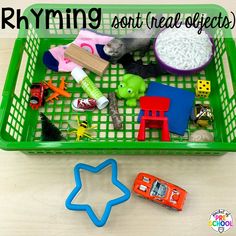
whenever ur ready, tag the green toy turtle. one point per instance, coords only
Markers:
(131, 88)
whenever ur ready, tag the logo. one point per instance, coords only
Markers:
(221, 221)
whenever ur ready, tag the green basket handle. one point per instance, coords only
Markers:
(14, 67)
(12, 74)
(10, 83)
(231, 47)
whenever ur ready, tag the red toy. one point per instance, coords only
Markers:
(159, 191)
(151, 105)
(37, 92)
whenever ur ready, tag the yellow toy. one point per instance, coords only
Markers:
(203, 88)
(82, 130)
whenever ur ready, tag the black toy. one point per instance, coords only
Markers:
(138, 68)
(49, 131)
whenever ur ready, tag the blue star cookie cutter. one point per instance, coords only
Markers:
(85, 207)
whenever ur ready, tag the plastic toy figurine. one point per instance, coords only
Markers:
(37, 94)
(82, 130)
(159, 191)
(203, 88)
(57, 91)
(49, 131)
(202, 115)
(131, 88)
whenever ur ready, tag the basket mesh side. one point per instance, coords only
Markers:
(16, 121)
(228, 101)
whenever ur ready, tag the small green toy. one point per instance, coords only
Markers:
(131, 88)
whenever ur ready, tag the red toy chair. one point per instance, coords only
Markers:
(154, 116)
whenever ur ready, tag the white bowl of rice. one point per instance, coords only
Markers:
(182, 51)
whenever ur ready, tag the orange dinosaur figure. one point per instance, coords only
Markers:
(58, 91)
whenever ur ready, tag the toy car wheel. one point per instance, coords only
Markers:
(34, 100)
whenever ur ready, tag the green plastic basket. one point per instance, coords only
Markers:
(20, 127)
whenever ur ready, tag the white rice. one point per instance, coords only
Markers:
(183, 48)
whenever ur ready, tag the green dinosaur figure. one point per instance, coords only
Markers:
(131, 88)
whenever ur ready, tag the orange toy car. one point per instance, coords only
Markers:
(160, 191)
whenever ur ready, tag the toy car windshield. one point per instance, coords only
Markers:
(158, 189)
